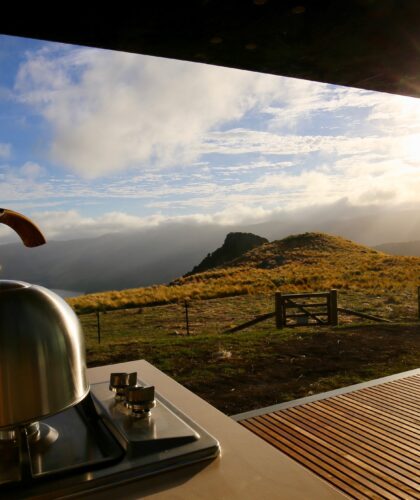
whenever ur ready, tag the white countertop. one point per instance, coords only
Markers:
(248, 468)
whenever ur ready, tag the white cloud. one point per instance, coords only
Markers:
(314, 98)
(23, 182)
(391, 114)
(396, 115)
(31, 170)
(71, 224)
(5, 150)
(244, 141)
(110, 111)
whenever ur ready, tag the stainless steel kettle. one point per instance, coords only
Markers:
(42, 356)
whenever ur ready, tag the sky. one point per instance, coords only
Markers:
(95, 141)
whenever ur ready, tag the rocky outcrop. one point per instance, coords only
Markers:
(235, 245)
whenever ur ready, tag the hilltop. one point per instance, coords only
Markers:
(300, 248)
(305, 262)
(235, 245)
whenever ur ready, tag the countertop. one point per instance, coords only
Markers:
(248, 468)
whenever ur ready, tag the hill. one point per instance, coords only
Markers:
(409, 248)
(235, 245)
(306, 262)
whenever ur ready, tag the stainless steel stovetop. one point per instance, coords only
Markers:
(119, 432)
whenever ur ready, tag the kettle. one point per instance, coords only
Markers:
(42, 356)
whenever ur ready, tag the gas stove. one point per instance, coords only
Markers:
(122, 430)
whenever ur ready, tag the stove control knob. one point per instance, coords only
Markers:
(119, 382)
(140, 400)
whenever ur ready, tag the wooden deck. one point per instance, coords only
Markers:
(366, 442)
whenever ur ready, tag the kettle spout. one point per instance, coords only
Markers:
(29, 233)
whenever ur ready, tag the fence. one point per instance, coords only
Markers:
(289, 312)
(228, 314)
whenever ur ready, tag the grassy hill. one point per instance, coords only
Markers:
(261, 365)
(305, 262)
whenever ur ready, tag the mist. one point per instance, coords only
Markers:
(152, 255)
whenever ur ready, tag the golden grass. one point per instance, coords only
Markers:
(308, 262)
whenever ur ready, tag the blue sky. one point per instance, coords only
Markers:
(95, 141)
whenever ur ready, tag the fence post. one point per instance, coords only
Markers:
(418, 301)
(98, 324)
(186, 318)
(332, 307)
(279, 310)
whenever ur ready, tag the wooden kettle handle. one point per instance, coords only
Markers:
(25, 228)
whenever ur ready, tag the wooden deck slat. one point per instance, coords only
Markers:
(345, 460)
(390, 393)
(389, 415)
(365, 442)
(394, 397)
(410, 400)
(330, 473)
(384, 416)
(412, 392)
(327, 467)
(414, 384)
(335, 479)
(397, 421)
(372, 437)
(413, 388)
(366, 454)
(382, 406)
(365, 423)
(398, 431)
(404, 465)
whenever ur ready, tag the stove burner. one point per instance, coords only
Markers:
(119, 431)
(32, 432)
(120, 382)
(9, 435)
(37, 432)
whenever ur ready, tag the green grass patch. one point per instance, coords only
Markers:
(261, 365)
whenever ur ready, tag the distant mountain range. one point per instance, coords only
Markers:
(408, 248)
(111, 262)
(162, 254)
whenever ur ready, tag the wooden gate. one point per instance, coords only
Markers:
(299, 309)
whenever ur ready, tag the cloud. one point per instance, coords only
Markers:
(390, 114)
(314, 99)
(396, 115)
(109, 111)
(23, 182)
(70, 224)
(245, 141)
(5, 150)
(31, 170)
(241, 146)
